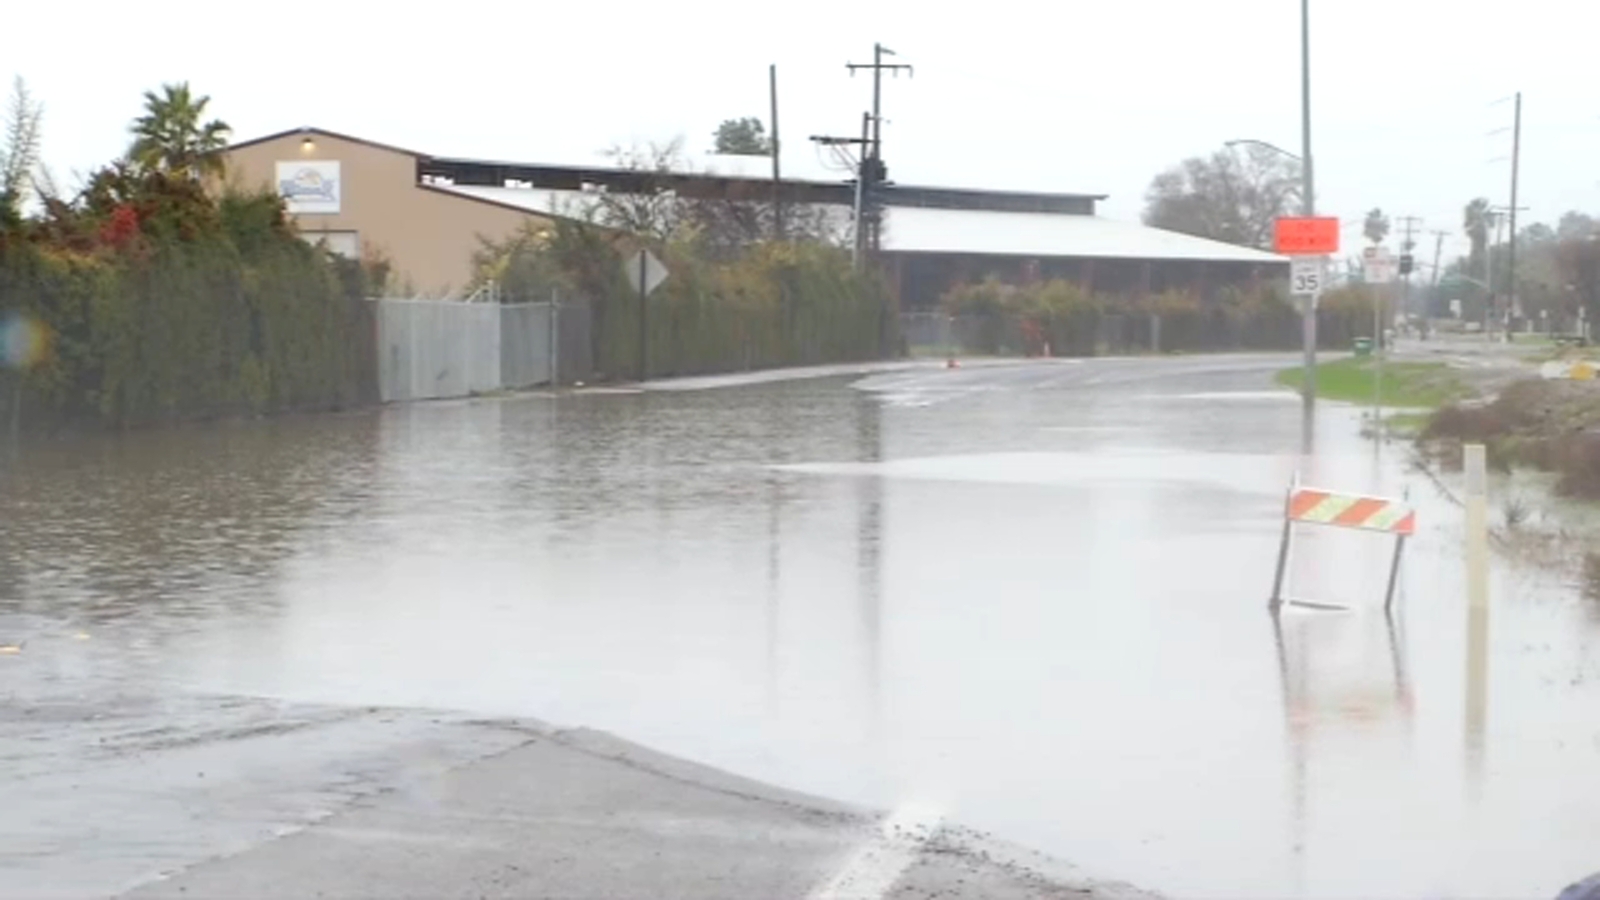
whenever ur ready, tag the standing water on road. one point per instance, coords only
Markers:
(1033, 596)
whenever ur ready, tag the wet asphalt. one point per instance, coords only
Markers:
(318, 655)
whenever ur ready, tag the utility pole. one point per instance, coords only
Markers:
(875, 171)
(1438, 250)
(1308, 191)
(861, 244)
(1433, 287)
(857, 257)
(1407, 259)
(1380, 319)
(1511, 253)
(777, 179)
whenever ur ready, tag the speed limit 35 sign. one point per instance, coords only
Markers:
(1305, 276)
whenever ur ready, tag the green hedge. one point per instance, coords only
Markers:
(1004, 318)
(773, 304)
(236, 319)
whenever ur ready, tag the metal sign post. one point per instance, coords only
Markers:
(645, 273)
(1305, 277)
(1377, 268)
(1315, 237)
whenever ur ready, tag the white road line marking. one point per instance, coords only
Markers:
(875, 868)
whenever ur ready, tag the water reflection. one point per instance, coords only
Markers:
(160, 530)
(1344, 678)
(869, 557)
(1026, 590)
(1477, 697)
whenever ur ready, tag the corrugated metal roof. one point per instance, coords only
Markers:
(535, 200)
(924, 230)
(916, 230)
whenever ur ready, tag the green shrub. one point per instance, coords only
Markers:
(1077, 323)
(166, 306)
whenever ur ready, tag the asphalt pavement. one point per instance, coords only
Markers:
(197, 796)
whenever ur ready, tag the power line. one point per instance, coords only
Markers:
(857, 250)
(1408, 223)
(1438, 248)
(873, 172)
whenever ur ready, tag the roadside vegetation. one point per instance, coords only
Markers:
(146, 297)
(1410, 385)
(1547, 425)
(998, 318)
(737, 297)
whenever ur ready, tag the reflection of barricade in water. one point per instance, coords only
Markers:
(1314, 506)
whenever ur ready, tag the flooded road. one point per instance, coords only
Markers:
(1033, 596)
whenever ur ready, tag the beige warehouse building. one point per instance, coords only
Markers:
(427, 213)
(363, 197)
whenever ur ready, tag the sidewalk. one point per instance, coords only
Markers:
(209, 796)
(799, 373)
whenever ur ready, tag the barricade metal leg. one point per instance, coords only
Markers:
(1283, 563)
(1394, 572)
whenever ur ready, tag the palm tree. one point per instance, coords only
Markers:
(1376, 227)
(171, 138)
(1475, 220)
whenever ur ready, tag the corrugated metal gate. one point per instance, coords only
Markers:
(435, 349)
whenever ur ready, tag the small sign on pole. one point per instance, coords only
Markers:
(1377, 265)
(1305, 276)
(1306, 235)
(645, 273)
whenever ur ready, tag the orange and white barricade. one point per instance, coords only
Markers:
(1316, 506)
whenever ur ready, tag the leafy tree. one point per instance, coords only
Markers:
(744, 137)
(1376, 228)
(1579, 261)
(1536, 234)
(1575, 224)
(171, 137)
(1227, 196)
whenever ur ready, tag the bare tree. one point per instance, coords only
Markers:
(1231, 196)
(650, 206)
(19, 154)
(658, 204)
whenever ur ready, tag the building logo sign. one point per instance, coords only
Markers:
(309, 187)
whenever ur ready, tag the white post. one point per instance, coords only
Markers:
(1475, 465)
(1477, 681)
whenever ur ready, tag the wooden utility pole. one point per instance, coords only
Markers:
(1511, 251)
(1407, 244)
(874, 170)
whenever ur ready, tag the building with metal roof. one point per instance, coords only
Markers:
(427, 214)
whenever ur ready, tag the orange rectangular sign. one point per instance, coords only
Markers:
(1306, 236)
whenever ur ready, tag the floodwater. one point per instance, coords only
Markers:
(1032, 595)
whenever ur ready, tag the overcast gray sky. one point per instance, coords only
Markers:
(1070, 95)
